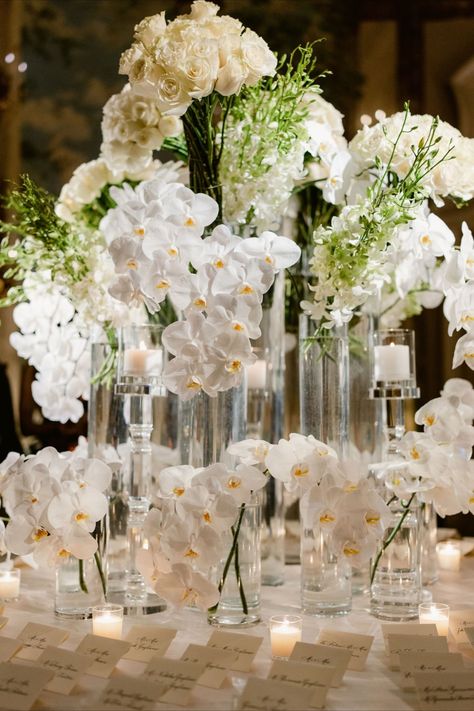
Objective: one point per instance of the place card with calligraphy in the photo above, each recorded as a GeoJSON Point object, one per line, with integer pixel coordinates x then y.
{"type": "Point", "coordinates": [411, 662]}
{"type": "Point", "coordinates": [458, 620]}
{"type": "Point", "coordinates": [271, 695]}
{"type": "Point", "coordinates": [357, 644]}
{"type": "Point", "coordinates": [308, 676]}
{"type": "Point", "coordinates": [446, 691]}
{"type": "Point", "coordinates": [130, 694]}
{"type": "Point", "coordinates": [8, 647]}
{"type": "Point", "coordinates": [103, 653]}
{"type": "Point", "coordinates": [411, 628]}
{"type": "Point", "coordinates": [177, 676]}
{"type": "Point", "coordinates": [67, 667]}
{"type": "Point", "coordinates": [35, 638]}
{"type": "Point", "coordinates": [401, 643]}
{"type": "Point", "coordinates": [20, 685]}
{"type": "Point", "coordinates": [148, 641]}
{"type": "Point", "coordinates": [245, 646]}
{"type": "Point", "coordinates": [217, 661]}
{"type": "Point", "coordinates": [325, 656]}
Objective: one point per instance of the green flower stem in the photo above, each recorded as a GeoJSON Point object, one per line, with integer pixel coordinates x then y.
{"type": "Point", "coordinates": [239, 581]}
{"type": "Point", "coordinates": [82, 579]}
{"type": "Point", "coordinates": [391, 537]}
{"type": "Point", "coordinates": [232, 551]}
{"type": "Point", "coordinates": [101, 572]}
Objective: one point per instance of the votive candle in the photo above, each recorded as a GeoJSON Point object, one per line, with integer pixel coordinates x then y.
{"type": "Point", "coordinates": [285, 632]}
{"type": "Point", "coordinates": [449, 555]}
{"type": "Point", "coordinates": [107, 621]}
{"type": "Point", "coordinates": [10, 585]}
{"type": "Point", "coordinates": [435, 613]}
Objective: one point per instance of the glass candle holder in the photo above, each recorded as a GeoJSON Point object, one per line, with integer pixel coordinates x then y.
{"type": "Point", "coordinates": [449, 555]}
{"type": "Point", "coordinates": [140, 356]}
{"type": "Point", "coordinates": [107, 621]}
{"type": "Point", "coordinates": [435, 613]}
{"type": "Point", "coordinates": [10, 585]}
{"type": "Point", "coordinates": [285, 632]}
{"type": "Point", "coordinates": [394, 367]}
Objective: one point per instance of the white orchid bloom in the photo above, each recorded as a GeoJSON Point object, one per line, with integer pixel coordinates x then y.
{"type": "Point", "coordinates": [300, 462]}
{"type": "Point", "coordinates": [236, 314]}
{"type": "Point", "coordinates": [460, 393]}
{"type": "Point", "coordinates": [252, 452]}
{"type": "Point", "coordinates": [239, 483]}
{"type": "Point", "coordinates": [459, 308]}
{"type": "Point", "coordinates": [193, 211]}
{"type": "Point", "coordinates": [279, 252]}
{"type": "Point", "coordinates": [464, 351]}
{"type": "Point", "coordinates": [23, 534]}
{"type": "Point", "coordinates": [185, 377]}
{"type": "Point", "coordinates": [215, 250]}
{"type": "Point", "coordinates": [440, 419]}
{"type": "Point", "coordinates": [189, 543]}
{"type": "Point", "coordinates": [183, 586]}
{"type": "Point", "coordinates": [173, 482]}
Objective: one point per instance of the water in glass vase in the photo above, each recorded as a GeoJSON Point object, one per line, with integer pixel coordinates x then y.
{"type": "Point", "coordinates": [78, 588]}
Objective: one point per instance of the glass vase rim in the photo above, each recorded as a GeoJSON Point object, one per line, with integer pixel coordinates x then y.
{"type": "Point", "coordinates": [394, 330]}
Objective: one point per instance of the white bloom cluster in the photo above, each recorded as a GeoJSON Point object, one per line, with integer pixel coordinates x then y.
{"type": "Point", "coordinates": [437, 462]}
{"type": "Point", "coordinates": [450, 178]}
{"type": "Point", "coordinates": [154, 234]}
{"type": "Point", "coordinates": [336, 496]}
{"type": "Point", "coordinates": [54, 502]}
{"type": "Point", "coordinates": [191, 533]}
{"type": "Point", "coordinates": [192, 56]}
{"type": "Point", "coordinates": [53, 342]}
{"type": "Point", "coordinates": [132, 128]}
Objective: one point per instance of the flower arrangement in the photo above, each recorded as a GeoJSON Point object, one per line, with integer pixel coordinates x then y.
{"type": "Point", "coordinates": [54, 502]}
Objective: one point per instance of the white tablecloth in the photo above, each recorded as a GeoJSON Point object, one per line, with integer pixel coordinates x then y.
{"type": "Point", "coordinates": [373, 689]}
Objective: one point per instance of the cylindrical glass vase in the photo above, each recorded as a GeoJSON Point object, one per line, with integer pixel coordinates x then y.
{"type": "Point", "coordinates": [429, 540]}
{"type": "Point", "coordinates": [395, 590]}
{"type": "Point", "coordinates": [324, 385]}
{"type": "Point", "coordinates": [326, 587]}
{"type": "Point", "coordinates": [239, 604]}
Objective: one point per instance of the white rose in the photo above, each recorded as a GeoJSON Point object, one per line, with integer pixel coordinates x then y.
{"type": "Point", "coordinates": [150, 28]}
{"type": "Point", "coordinates": [171, 98]}
{"type": "Point", "coordinates": [144, 112]}
{"type": "Point", "coordinates": [200, 76]}
{"type": "Point", "coordinates": [200, 9]}
{"type": "Point", "coordinates": [128, 59]}
{"type": "Point", "coordinates": [231, 77]}
{"type": "Point", "coordinates": [170, 126]}
{"type": "Point", "coordinates": [258, 58]}
{"type": "Point", "coordinates": [148, 137]}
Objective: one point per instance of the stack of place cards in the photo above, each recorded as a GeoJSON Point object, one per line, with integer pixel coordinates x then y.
{"type": "Point", "coordinates": [35, 638]}
{"type": "Point", "coordinates": [270, 695]}
{"type": "Point", "coordinates": [411, 628]}
{"type": "Point", "coordinates": [20, 685]}
{"type": "Point", "coordinates": [312, 677]}
{"type": "Point", "coordinates": [335, 660]}
{"type": "Point", "coordinates": [413, 662]}
{"type": "Point", "coordinates": [357, 644]}
{"type": "Point", "coordinates": [177, 677]}
{"type": "Point", "coordinates": [445, 691]}
{"type": "Point", "coordinates": [399, 644]}
{"type": "Point", "coordinates": [218, 662]}
{"type": "Point", "coordinates": [243, 645]}
{"type": "Point", "coordinates": [148, 641]}
{"type": "Point", "coordinates": [103, 653]}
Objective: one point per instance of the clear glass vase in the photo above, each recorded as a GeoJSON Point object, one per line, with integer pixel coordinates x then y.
{"type": "Point", "coordinates": [239, 604]}
{"type": "Point", "coordinates": [326, 587]}
{"type": "Point", "coordinates": [429, 539]}
{"type": "Point", "coordinates": [324, 385]}
{"type": "Point", "coordinates": [395, 590]}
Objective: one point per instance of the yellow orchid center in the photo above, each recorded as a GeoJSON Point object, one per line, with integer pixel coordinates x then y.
{"type": "Point", "coordinates": [237, 326]}
{"type": "Point", "coordinates": [34, 500]}
{"type": "Point", "coordinates": [139, 231]}
{"type": "Point", "coordinates": [219, 263]}
{"type": "Point", "coordinates": [322, 452]}
{"type": "Point", "coordinates": [234, 366]}
{"type": "Point", "coordinates": [372, 519]}
{"type": "Point", "coordinates": [233, 483]}
{"type": "Point", "coordinates": [396, 481]}
{"type": "Point", "coordinates": [162, 284]}
{"type": "Point", "coordinates": [189, 595]}
{"type": "Point", "coordinates": [350, 488]}
{"type": "Point", "coordinates": [173, 251]}
{"type": "Point", "coordinates": [207, 517]}
{"type": "Point", "coordinates": [39, 534]}
{"type": "Point", "coordinates": [269, 259]}
{"type": "Point", "coordinates": [429, 420]}
{"type": "Point", "coordinates": [414, 453]}
{"type": "Point", "coordinates": [132, 264]}
{"type": "Point", "coordinates": [193, 384]}
{"type": "Point", "coordinates": [467, 318]}
{"type": "Point", "coordinates": [300, 471]}
{"type": "Point", "coordinates": [82, 485]}
{"type": "Point", "coordinates": [471, 500]}
{"type": "Point", "coordinates": [63, 553]}
{"type": "Point", "coordinates": [191, 553]}
{"type": "Point", "coordinates": [246, 289]}
{"type": "Point", "coordinates": [200, 302]}
{"type": "Point", "coordinates": [81, 516]}
{"type": "Point", "coordinates": [190, 222]}
{"type": "Point", "coordinates": [327, 518]}
{"type": "Point", "coordinates": [178, 490]}
{"type": "Point", "coordinates": [425, 240]}
{"type": "Point", "coordinates": [350, 550]}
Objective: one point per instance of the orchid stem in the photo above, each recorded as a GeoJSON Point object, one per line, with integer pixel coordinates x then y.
{"type": "Point", "coordinates": [101, 572]}
{"type": "Point", "coordinates": [390, 538]}
{"type": "Point", "coordinates": [232, 551]}
{"type": "Point", "coordinates": [239, 581]}
{"type": "Point", "coordinates": [82, 579]}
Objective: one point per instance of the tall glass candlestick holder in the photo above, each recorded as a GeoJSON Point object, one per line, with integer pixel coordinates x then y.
{"type": "Point", "coordinates": [394, 380]}
{"type": "Point", "coordinates": [139, 371]}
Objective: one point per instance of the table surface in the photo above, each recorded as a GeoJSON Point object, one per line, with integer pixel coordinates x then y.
{"type": "Point", "coordinates": [373, 689]}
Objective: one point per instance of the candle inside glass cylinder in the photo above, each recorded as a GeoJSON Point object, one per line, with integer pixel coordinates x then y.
{"type": "Point", "coordinates": [107, 621]}
{"type": "Point", "coordinates": [392, 362]}
{"type": "Point", "coordinates": [142, 361]}
{"type": "Point", "coordinates": [449, 555]}
{"type": "Point", "coordinates": [9, 585]}
{"type": "Point", "coordinates": [257, 375]}
{"type": "Point", "coordinates": [285, 632]}
{"type": "Point", "coordinates": [435, 613]}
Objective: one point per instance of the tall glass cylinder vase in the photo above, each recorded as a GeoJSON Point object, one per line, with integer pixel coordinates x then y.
{"type": "Point", "coordinates": [429, 539]}
{"type": "Point", "coordinates": [239, 573]}
{"type": "Point", "coordinates": [325, 577]}
{"type": "Point", "coordinates": [395, 591]}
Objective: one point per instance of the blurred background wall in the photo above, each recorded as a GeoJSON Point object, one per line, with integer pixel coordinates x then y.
{"type": "Point", "coordinates": [58, 66]}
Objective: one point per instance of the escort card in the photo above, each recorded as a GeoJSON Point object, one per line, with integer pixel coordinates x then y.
{"type": "Point", "coordinates": [178, 677]}
{"type": "Point", "coordinates": [20, 685]}
{"type": "Point", "coordinates": [447, 691]}
{"type": "Point", "coordinates": [325, 656]}
{"type": "Point", "coordinates": [35, 638]}
{"type": "Point", "coordinates": [411, 628]}
{"type": "Point", "coordinates": [103, 653]}
{"type": "Point", "coordinates": [8, 647]}
{"type": "Point", "coordinates": [3, 622]}
{"type": "Point", "coordinates": [217, 661]}
{"type": "Point", "coordinates": [357, 644]}
{"type": "Point", "coordinates": [66, 666]}
{"type": "Point", "coordinates": [411, 662]}
{"type": "Point", "coordinates": [458, 620]}
{"type": "Point", "coordinates": [245, 646]}
{"type": "Point", "coordinates": [307, 676]}
{"type": "Point", "coordinates": [400, 643]}
{"type": "Point", "coordinates": [130, 693]}
{"type": "Point", "coordinates": [270, 695]}
{"type": "Point", "coordinates": [148, 641]}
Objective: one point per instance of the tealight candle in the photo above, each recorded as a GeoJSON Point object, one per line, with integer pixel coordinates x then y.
{"type": "Point", "coordinates": [435, 613]}
{"type": "Point", "coordinates": [257, 375]}
{"type": "Point", "coordinates": [107, 621]}
{"type": "Point", "coordinates": [9, 585]}
{"type": "Point", "coordinates": [392, 362]}
{"type": "Point", "coordinates": [449, 555]}
{"type": "Point", "coordinates": [285, 632]}
{"type": "Point", "coordinates": [142, 361]}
